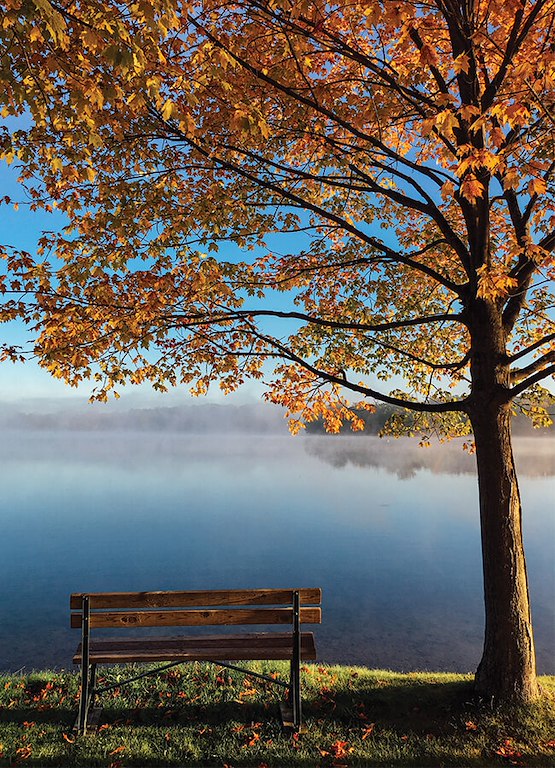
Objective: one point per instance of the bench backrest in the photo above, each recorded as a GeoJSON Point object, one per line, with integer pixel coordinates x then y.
{"type": "Point", "coordinates": [196, 608]}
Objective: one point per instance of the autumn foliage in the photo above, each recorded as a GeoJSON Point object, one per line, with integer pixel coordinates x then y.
{"type": "Point", "coordinates": [319, 196]}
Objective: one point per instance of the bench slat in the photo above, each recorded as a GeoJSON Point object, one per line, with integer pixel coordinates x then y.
{"type": "Point", "coordinates": [175, 641]}
{"type": "Point", "coordinates": [195, 618]}
{"type": "Point", "coordinates": [195, 598]}
{"type": "Point", "coordinates": [224, 648]}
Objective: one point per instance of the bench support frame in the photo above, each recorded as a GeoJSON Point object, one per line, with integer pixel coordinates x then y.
{"type": "Point", "coordinates": [291, 715]}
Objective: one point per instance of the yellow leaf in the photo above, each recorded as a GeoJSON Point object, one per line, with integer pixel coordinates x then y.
{"type": "Point", "coordinates": [461, 63]}
{"type": "Point", "coordinates": [168, 110]}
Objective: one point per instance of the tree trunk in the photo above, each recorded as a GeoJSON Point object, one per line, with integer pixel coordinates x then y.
{"type": "Point", "coordinates": [507, 671]}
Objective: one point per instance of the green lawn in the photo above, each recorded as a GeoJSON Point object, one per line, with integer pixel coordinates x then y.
{"type": "Point", "coordinates": [198, 714]}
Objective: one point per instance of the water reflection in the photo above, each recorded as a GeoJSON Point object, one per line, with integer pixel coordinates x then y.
{"type": "Point", "coordinates": [534, 457]}
{"type": "Point", "coordinates": [389, 531]}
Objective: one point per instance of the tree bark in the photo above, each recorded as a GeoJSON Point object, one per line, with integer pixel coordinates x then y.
{"type": "Point", "coordinates": [507, 671]}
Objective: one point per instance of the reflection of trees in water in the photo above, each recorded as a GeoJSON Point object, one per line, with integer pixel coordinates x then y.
{"type": "Point", "coordinates": [535, 457]}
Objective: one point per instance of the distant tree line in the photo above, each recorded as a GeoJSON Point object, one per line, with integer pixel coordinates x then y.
{"type": "Point", "coordinates": [381, 421]}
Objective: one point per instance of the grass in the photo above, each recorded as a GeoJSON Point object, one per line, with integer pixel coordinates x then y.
{"type": "Point", "coordinates": [198, 715]}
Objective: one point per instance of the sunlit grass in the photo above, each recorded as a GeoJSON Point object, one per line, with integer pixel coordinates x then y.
{"type": "Point", "coordinates": [197, 714]}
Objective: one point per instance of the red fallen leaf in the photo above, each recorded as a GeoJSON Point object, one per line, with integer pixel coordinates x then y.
{"type": "Point", "coordinates": [117, 750]}
{"type": "Point", "coordinates": [507, 749]}
{"type": "Point", "coordinates": [167, 737]}
{"type": "Point", "coordinates": [24, 753]}
{"type": "Point", "coordinates": [550, 744]}
{"type": "Point", "coordinates": [341, 749]}
{"type": "Point", "coordinates": [67, 738]}
{"type": "Point", "coordinates": [28, 723]}
{"type": "Point", "coordinates": [103, 727]}
{"type": "Point", "coordinates": [470, 726]}
{"type": "Point", "coordinates": [116, 764]}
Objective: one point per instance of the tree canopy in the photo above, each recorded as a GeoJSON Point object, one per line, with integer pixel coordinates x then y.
{"type": "Point", "coordinates": [388, 135]}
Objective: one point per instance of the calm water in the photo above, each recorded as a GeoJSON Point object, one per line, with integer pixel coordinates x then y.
{"type": "Point", "coordinates": [389, 531]}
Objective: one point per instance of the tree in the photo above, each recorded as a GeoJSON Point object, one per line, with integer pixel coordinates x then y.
{"type": "Point", "coordinates": [321, 196]}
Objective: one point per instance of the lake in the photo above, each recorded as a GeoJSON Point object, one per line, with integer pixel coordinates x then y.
{"type": "Point", "coordinates": [388, 530]}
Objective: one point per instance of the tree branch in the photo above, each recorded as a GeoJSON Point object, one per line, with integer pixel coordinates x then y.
{"type": "Point", "coordinates": [539, 376]}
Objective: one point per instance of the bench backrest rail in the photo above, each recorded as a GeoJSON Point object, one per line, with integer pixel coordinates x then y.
{"type": "Point", "coordinates": [198, 608]}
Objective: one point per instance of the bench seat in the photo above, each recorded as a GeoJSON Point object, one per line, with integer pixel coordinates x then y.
{"type": "Point", "coordinates": [243, 647]}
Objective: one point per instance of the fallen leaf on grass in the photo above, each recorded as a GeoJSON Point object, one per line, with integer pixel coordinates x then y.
{"type": "Point", "coordinates": [117, 750]}
{"type": "Point", "coordinates": [253, 740]}
{"type": "Point", "coordinates": [368, 731]}
{"type": "Point", "coordinates": [338, 750]}
{"type": "Point", "coordinates": [508, 750]}
{"type": "Point", "coordinates": [24, 753]}
{"type": "Point", "coordinates": [69, 739]}
{"type": "Point", "coordinates": [549, 744]}
{"type": "Point", "coordinates": [470, 726]}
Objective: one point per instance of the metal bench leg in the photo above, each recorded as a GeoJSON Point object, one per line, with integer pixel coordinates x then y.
{"type": "Point", "coordinates": [92, 689]}
{"type": "Point", "coordinates": [85, 670]}
{"type": "Point", "coordinates": [296, 664]}
{"type": "Point", "coordinates": [83, 701]}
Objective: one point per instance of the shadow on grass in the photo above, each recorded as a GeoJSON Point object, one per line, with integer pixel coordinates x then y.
{"type": "Point", "coordinates": [423, 708]}
{"type": "Point", "coordinates": [52, 716]}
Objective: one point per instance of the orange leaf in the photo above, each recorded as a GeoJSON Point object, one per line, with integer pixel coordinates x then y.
{"type": "Point", "coordinates": [117, 750]}
{"type": "Point", "coordinates": [69, 739]}
{"type": "Point", "coordinates": [472, 189]}
{"type": "Point", "coordinates": [508, 750]}
{"type": "Point", "coordinates": [537, 187]}
{"type": "Point", "coordinates": [341, 748]}
{"type": "Point", "coordinates": [368, 730]}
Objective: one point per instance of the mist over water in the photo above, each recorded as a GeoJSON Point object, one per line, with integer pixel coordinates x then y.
{"type": "Point", "coordinates": [388, 530]}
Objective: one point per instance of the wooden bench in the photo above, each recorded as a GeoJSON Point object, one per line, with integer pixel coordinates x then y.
{"type": "Point", "coordinates": [132, 610]}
